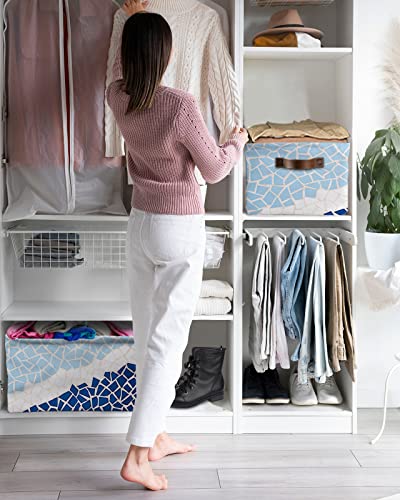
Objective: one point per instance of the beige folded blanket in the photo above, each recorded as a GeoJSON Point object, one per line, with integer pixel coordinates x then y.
{"type": "Point", "coordinates": [304, 128]}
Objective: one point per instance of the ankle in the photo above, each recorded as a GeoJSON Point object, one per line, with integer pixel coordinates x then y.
{"type": "Point", "coordinates": [138, 455]}
{"type": "Point", "coordinates": [162, 437]}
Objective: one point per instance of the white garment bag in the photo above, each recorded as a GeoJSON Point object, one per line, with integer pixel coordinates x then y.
{"type": "Point", "coordinates": [56, 59]}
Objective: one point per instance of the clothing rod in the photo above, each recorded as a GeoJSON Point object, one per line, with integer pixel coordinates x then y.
{"type": "Point", "coordinates": [344, 235]}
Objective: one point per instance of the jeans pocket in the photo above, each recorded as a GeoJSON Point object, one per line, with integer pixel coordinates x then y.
{"type": "Point", "coordinates": [173, 238]}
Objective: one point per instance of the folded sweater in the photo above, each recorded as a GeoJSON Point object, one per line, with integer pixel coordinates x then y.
{"type": "Point", "coordinates": [216, 288]}
{"type": "Point", "coordinates": [213, 306]}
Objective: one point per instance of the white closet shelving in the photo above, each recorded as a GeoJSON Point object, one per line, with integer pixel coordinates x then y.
{"type": "Point", "coordinates": [276, 85]}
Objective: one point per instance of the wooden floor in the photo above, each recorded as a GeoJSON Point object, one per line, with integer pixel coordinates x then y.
{"type": "Point", "coordinates": [247, 467]}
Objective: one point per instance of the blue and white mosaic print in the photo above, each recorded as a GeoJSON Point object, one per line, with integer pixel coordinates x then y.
{"type": "Point", "coordinates": [279, 191]}
{"type": "Point", "coordinates": [56, 375]}
{"type": "Point", "coordinates": [114, 392]}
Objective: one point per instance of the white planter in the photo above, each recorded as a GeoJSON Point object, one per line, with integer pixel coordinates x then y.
{"type": "Point", "coordinates": [382, 249]}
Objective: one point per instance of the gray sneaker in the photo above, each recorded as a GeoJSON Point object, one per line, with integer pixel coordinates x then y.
{"type": "Point", "coordinates": [328, 393]}
{"type": "Point", "coordinates": [301, 394]}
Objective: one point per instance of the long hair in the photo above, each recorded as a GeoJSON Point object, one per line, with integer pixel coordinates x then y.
{"type": "Point", "coordinates": [145, 52]}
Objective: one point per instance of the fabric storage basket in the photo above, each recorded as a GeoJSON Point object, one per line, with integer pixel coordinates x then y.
{"type": "Point", "coordinates": [297, 178]}
{"type": "Point", "coordinates": [54, 375]}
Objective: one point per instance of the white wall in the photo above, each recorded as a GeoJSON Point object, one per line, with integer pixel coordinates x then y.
{"type": "Point", "coordinates": [378, 333]}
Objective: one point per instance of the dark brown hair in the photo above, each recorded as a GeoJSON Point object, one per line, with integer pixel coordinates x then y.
{"type": "Point", "coordinates": [145, 51]}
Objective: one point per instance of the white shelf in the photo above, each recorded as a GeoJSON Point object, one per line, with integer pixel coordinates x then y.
{"type": "Point", "coordinates": [292, 410]}
{"type": "Point", "coordinates": [205, 418]}
{"type": "Point", "coordinates": [79, 311]}
{"type": "Point", "coordinates": [210, 216]}
{"type": "Point", "coordinates": [207, 409]}
{"type": "Point", "coordinates": [320, 419]}
{"type": "Point", "coordinates": [289, 53]}
{"type": "Point", "coordinates": [317, 218]}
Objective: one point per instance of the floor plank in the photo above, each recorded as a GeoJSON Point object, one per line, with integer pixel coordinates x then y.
{"type": "Point", "coordinates": [43, 495]}
{"type": "Point", "coordinates": [203, 442]}
{"type": "Point", "coordinates": [370, 421]}
{"type": "Point", "coordinates": [47, 444]}
{"type": "Point", "coordinates": [308, 478]}
{"type": "Point", "coordinates": [378, 458]}
{"type": "Point", "coordinates": [197, 460]}
{"type": "Point", "coordinates": [238, 494]}
{"type": "Point", "coordinates": [7, 461]}
{"type": "Point", "coordinates": [99, 480]}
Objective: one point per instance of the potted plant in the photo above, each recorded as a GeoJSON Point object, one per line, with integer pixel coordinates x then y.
{"type": "Point", "coordinates": [379, 178]}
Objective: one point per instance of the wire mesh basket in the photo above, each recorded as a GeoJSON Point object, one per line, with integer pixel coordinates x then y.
{"type": "Point", "coordinates": [54, 249]}
{"type": "Point", "coordinates": [38, 247]}
{"type": "Point", "coordinates": [290, 3]}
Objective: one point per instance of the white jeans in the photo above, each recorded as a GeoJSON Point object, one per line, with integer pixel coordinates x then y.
{"type": "Point", "coordinates": [165, 269]}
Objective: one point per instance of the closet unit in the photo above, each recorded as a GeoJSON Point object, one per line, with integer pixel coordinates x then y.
{"type": "Point", "coordinates": [278, 85]}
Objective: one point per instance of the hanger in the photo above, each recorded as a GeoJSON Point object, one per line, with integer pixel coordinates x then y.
{"type": "Point", "coordinates": [333, 237]}
{"type": "Point", "coordinates": [316, 236]}
{"type": "Point", "coordinates": [283, 236]}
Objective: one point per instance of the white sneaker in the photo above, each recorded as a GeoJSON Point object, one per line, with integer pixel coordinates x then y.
{"type": "Point", "coordinates": [328, 393]}
{"type": "Point", "coordinates": [302, 394]}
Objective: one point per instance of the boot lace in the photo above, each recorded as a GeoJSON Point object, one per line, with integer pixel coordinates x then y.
{"type": "Point", "coordinates": [188, 380]}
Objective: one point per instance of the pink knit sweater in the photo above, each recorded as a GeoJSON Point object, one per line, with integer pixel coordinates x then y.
{"type": "Point", "coordinates": [164, 144]}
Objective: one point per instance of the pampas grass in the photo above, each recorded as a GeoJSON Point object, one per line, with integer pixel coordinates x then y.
{"type": "Point", "coordinates": [391, 71]}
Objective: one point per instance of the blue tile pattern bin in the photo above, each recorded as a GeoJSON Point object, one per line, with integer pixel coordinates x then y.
{"type": "Point", "coordinates": [54, 375]}
{"type": "Point", "coordinates": [280, 191]}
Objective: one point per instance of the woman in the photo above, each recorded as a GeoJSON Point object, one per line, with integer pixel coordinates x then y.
{"type": "Point", "coordinates": [166, 137]}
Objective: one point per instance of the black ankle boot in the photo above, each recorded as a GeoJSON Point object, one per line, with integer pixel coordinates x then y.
{"type": "Point", "coordinates": [253, 389]}
{"type": "Point", "coordinates": [202, 380]}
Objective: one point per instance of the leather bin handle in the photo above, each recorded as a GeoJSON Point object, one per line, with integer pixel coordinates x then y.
{"type": "Point", "coordinates": [299, 164]}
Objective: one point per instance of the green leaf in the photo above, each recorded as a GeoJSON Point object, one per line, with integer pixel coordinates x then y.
{"type": "Point", "coordinates": [364, 185]}
{"type": "Point", "coordinates": [380, 133]}
{"type": "Point", "coordinates": [395, 186]}
{"type": "Point", "coordinates": [388, 224]}
{"type": "Point", "coordinates": [395, 138]}
{"type": "Point", "coordinates": [394, 166]}
{"type": "Point", "coordinates": [382, 177]}
{"type": "Point", "coordinates": [375, 209]}
{"type": "Point", "coordinates": [395, 215]}
{"type": "Point", "coordinates": [387, 194]}
{"type": "Point", "coordinates": [374, 148]}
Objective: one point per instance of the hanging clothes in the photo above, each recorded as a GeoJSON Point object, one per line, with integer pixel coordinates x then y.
{"type": "Point", "coordinates": [56, 57]}
{"type": "Point", "coordinates": [339, 314]}
{"type": "Point", "coordinates": [200, 64]}
{"type": "Point", "coordinates": [313, 357]}
{"type": "Point", "coordinates": [223, 16]}
{"type": "Point", "coordinates": [293, 289]}
{"type": "Point", "coordinates": [279, 349]}
{"type": "Point", "coordinates": [260, 324]}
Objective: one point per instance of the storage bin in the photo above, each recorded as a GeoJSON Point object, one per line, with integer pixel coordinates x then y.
{"type": "Point", "coordinates": [297, 178]}
{"type": "Point", "coordinates": [55, 375]}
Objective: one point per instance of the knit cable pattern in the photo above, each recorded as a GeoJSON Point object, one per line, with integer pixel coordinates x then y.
{"type": "Point", "coordinates": [201, 65]}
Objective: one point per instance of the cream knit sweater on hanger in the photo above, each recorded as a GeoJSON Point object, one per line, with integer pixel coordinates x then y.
{"type": "Point", "coordinates": [200, 64]}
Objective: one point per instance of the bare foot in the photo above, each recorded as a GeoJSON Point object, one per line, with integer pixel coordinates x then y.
{"type": "Point", "coordinates": [143, 474]}
{"type": "Point", "coordinates": [165, 445]}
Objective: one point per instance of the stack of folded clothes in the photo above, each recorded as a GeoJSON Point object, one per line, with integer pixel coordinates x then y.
{"type": "Point", "coordinates": [52, 250]}
{"type": "Point", "coordinates": [215, 298]}
{"type": "Point", "coordinates": [302, 131]}
{"type": "Point", "coordinates": [68, 330]}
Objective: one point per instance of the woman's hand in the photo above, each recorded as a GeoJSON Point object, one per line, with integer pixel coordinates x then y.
{"type": "Point", "coordinates": [134, 6]}
{"type": "Point", "coordinates": [242, 133]}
